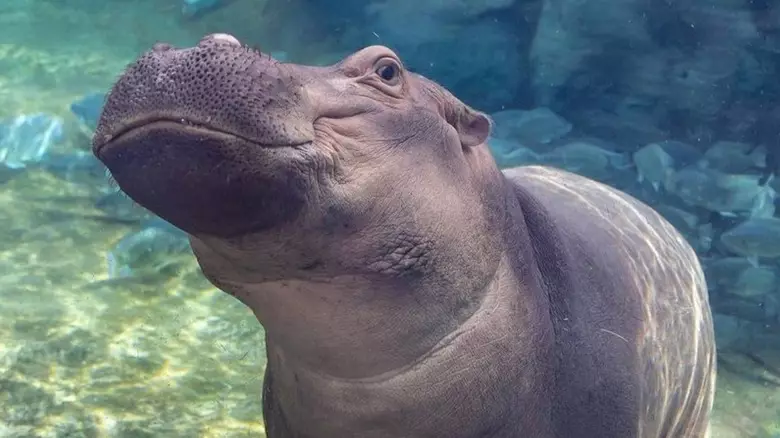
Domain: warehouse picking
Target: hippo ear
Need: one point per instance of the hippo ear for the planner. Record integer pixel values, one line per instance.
(473, 127)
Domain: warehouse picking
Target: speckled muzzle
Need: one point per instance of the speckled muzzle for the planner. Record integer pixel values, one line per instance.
(211, 138)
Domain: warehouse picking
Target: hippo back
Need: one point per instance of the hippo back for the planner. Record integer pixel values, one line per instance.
(634, 332)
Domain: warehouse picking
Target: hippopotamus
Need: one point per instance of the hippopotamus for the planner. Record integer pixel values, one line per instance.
(408, 287)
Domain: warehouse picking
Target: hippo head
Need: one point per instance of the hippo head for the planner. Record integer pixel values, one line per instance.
(282, 172)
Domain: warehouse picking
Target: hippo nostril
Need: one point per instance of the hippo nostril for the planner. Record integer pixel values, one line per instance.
(220, 37)
(162, 47)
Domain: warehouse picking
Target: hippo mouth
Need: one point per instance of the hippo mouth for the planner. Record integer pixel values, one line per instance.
(206, 180)
(192, 125)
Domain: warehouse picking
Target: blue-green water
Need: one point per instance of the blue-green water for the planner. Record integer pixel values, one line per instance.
(107, 327)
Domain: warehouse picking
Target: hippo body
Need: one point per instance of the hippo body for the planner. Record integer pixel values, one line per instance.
(407, 286)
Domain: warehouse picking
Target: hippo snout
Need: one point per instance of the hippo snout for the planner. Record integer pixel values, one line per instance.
(218, 84)
(206, 136)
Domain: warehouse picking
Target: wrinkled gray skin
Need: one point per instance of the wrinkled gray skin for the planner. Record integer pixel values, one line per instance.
(409, 288)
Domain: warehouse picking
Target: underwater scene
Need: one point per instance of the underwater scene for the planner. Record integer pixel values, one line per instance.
(108, 325)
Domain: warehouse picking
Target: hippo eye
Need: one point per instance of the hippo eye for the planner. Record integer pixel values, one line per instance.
(389, 71)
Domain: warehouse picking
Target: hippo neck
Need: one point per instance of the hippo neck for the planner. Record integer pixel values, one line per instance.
(303, 401)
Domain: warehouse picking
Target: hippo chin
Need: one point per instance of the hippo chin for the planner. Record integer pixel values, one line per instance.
(408, 287)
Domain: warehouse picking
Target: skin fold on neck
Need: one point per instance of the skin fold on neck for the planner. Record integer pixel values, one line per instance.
(387, 401)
